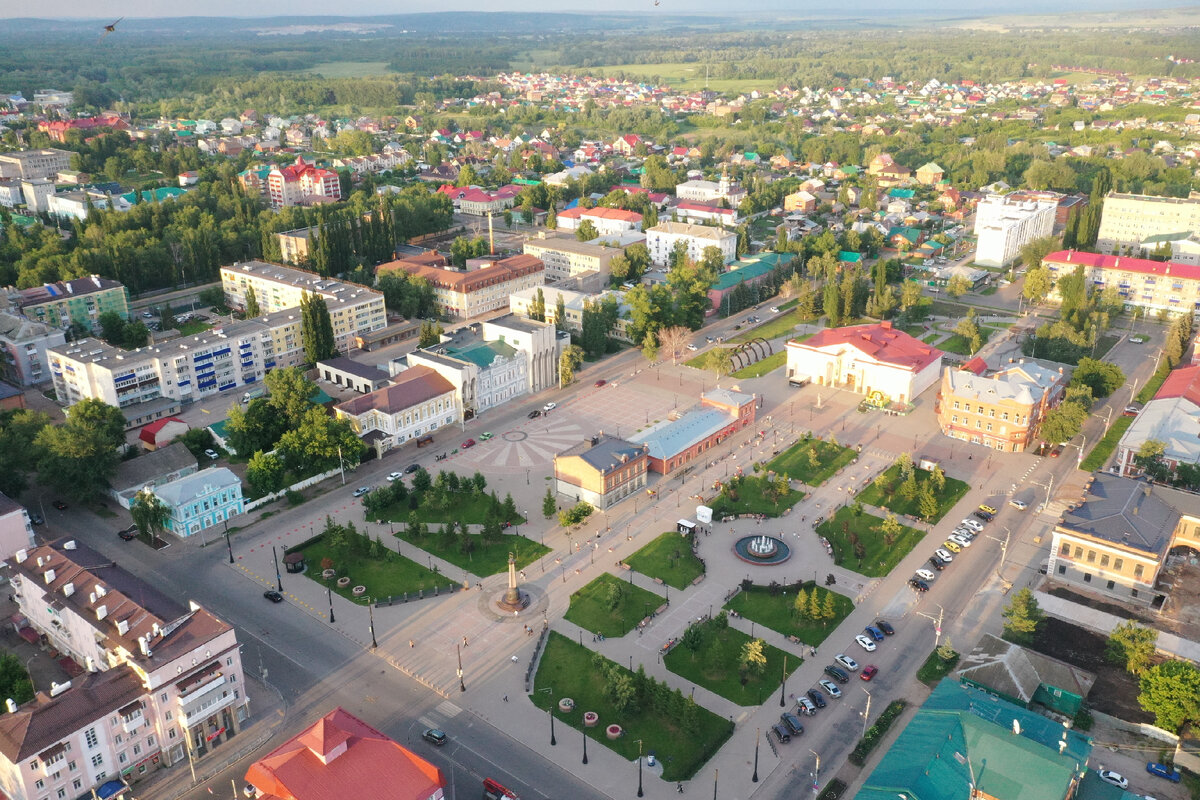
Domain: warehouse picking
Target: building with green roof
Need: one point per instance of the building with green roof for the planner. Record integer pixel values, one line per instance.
(751, 271)
(964, 741)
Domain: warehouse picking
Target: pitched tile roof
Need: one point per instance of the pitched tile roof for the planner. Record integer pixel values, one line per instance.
(411, 387)
(880, 341)
(1183, 382)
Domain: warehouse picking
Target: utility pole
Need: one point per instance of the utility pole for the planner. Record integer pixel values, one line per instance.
(867, 713)
(816, 771)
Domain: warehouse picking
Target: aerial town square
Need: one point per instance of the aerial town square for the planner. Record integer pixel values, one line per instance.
(570, 403)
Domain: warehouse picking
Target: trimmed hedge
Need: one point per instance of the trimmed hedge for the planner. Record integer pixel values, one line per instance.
(865, 745)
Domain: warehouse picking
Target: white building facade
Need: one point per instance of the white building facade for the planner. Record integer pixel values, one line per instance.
(661, 239)
(1004, 226)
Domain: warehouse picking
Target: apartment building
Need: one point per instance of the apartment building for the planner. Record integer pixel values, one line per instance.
(1003, 226)
(29, 164)
(565, 258)
(161, 682)
(23, 345)
(1129, 219)
(1114, 541)
(484, 286)
(302, 183)
(16, 528)
(10, 193)
(353, 309)
(418, 402)
(1142, 283)
(661, 239)
(521, 303)
(602, 470)
(294, 245)
(81, 300)
(1003, 411)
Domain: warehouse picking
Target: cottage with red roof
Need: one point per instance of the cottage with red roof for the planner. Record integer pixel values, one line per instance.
(340, 758)
(1152, 285)
(885, 364)
(627, 144)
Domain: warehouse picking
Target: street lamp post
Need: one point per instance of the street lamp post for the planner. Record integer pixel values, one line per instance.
(371, 617)
(227, 542)
(462, 687)
(329, 592)
(867, 713)
(816, 771)
(278, 578)
(584, 732)
(550, 711)
(754, 777)
(639, 792)
(782, 689)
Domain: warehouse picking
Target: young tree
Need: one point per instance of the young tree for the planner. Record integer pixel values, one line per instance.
(890, 528)
(549, 505)
(149, 513)
(316, 329)
(946, 651)
(673, 341)
(752, 658)
(537, 309)
(289, 394)
(800, 604)
(719, 360)
(1131, 646)
(14, 679)
(957, 286)
(570, 360)
(937, 478)
(927, 504)
(650, 347)
(715, 657)
(265, 473)
(560, 313)
(1171, 692)
(828, 607)
(252, 309)
(586, 231)
(1022, 616)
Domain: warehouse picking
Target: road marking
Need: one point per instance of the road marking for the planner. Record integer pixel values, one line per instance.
(449, 709)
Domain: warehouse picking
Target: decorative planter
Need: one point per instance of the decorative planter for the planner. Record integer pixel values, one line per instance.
(328, 574)
(343, 582)
(613, 732)
(590, 718)
(358, 590)
(566, 705)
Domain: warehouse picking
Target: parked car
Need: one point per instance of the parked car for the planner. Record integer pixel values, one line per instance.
(926, 575)
(937, 563)
(885, 626)
(973, 525)
(600, 383)
(953, 547)
(1130, 411)
(36, 518)
(988, 509)
(781, 733)
(837, 673)
(486, 435)
(549, 406)
(411, 468)
(60, 505)
(394, 476)
(434, 736)
(792, 722)
(147, 315)
(875, 633)
(692, 347)
(1163, 771)
(774, 309)
(865, 642)
(212, 454)
(983, 515)
(534, 414)
(468, 443)
(959, 540)
(1019, 505)
(1139, 339)
(1056, 452)
(944, 555)
(273, 596)
(830, 688)
(128, 533)
(846, 661)
(918, 584)
(360, 491)
(869, 672)
(1114, 778)
(805, 706)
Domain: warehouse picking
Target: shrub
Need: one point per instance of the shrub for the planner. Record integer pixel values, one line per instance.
(294, 498)
(867, 743)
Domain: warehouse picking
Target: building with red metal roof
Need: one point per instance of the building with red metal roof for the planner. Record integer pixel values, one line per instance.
(885, 364)
(1152, 285)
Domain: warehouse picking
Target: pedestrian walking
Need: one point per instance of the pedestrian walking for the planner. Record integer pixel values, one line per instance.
(679, 788)
(411, 644)
(506, 698)
(465, 642)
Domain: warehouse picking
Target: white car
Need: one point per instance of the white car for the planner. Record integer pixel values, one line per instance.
(959, 540)
(847, 662)
(360, 491)
(830, 688)
(974, 525)
(1019, 505)
(865, 643)
(926, 575)
(549, 406)
(211, 453)
(774, 309)
(1114, 778)
(943, 554)
(395, 476)
(691, 347)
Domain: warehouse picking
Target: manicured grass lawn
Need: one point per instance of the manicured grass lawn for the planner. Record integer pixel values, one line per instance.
(776, 611)
(951, 493)
(723, 677)
(384, 577)
(193, 327)
(962, 345)
(789, 304)
(879, 557)
(592, 609)
(468, 508)
(751, 500)
(760, 368)
(576, 672)
(1152, 386)
(931, 338)
(934, 668)
(797, 465)
(484, 559)
(915, 330)
(781, 325)
(696, 361)
(1104, 448)
(670, 559)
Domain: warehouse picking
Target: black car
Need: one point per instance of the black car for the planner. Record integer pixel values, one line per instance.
(36, 518)
(537, 412)
(411, 468)
(60, 505)
(937, 563)
(434, 736)
(918, 584)
(128, 533)
(885, 626)
(837, 673)
(792, 722)
(817, 698)
(781, 733)
(273, 596)
(983, 515)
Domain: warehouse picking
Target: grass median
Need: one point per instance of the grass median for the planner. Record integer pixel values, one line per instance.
(1105, 447)
(670, 559)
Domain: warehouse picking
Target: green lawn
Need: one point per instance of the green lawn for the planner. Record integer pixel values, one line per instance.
(962, 345)
(484, 559)
(592, 606)
(931, 338)
(714, 665)
(934, 668)
(670, 559)
(696, 361)
(781, 325)
(1152, 386)
(745, 496)
(1104, 448)
(915, 330)
(797, 464)
(193, 327)
(760, 368)
(468, 508)
(387, 576)
(568, 670)
(878, 557)
(890, 498)
(777, 611)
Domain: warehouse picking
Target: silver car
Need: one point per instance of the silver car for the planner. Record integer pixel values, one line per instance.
(926, 575)
(830, 688)
(846, 662)
(960, 540)
(943, 554)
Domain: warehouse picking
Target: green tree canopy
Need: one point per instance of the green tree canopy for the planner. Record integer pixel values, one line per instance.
(1171, 692)
(1022, 617)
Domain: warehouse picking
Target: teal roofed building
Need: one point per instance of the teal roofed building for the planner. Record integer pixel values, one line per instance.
(1025, 677)
(750, 271)
(154, 195)
(846, 257)
(964, 742)
(901, 194)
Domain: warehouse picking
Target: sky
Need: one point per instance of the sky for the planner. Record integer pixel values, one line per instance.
(76, 9)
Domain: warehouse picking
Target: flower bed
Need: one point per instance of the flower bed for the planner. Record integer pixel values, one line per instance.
(613, 731)
(590, 718)
(328, 574)
(358, 591)
(566, 705)
(343, 582)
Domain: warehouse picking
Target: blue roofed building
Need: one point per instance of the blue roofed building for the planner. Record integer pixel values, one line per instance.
(964, 743)
(674, 443)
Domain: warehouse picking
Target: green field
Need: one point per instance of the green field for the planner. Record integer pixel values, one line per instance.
(878, 556)
(483, 558)
(594, 607)
(797, 464)
(760, 368)
(747, 496)
(670, 559)
(193, 327)
(962, 345)
(350, 69)
(568, 670)
(714, 664)
(775, 609)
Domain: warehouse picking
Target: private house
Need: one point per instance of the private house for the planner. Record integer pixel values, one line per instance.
(627, 145)
(417, 403)
(674, 443)
(876, 360)
(340, 757)
(887, 172)
(602, 471)
(800, 201)
(1025, 677)
(23, 345)
(16, 528)
(161, 684)
(1150, 285)
(153, 469)
(930, 174)
(1002, 412)
(1115, 540)
(201, 500)
(1171, 417)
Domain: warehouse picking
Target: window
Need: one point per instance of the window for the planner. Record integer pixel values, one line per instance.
(118, 738)
(1087, 578)
(137, 749)
(71, 766)
(956, 404)
(97, 759)
(77, 784)
(1091, 556)
(39, 783)
(1104, 559)
(1062, 569)
(1065, 550)
(90, 736)
(163, 697)
(1138, 570)
(1111, 584)
(1118, 564)
(62, 793)
(1133, 593)
(150, 740)
(122, 758)
(1078, 552)
(168, 714)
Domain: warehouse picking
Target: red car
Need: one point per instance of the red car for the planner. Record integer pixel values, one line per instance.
(468, 443)
(868, 672)
(601, 382)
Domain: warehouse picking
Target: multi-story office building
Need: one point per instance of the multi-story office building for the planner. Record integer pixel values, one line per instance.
(1003, 411)
(661, 241)
(1151, 285)
(81, 301)
(1004, 226)
(37, 193)
(23, 345)
(1128, 219)
(483, 287)
(29, 164)
(566, 258)
(162, 680)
